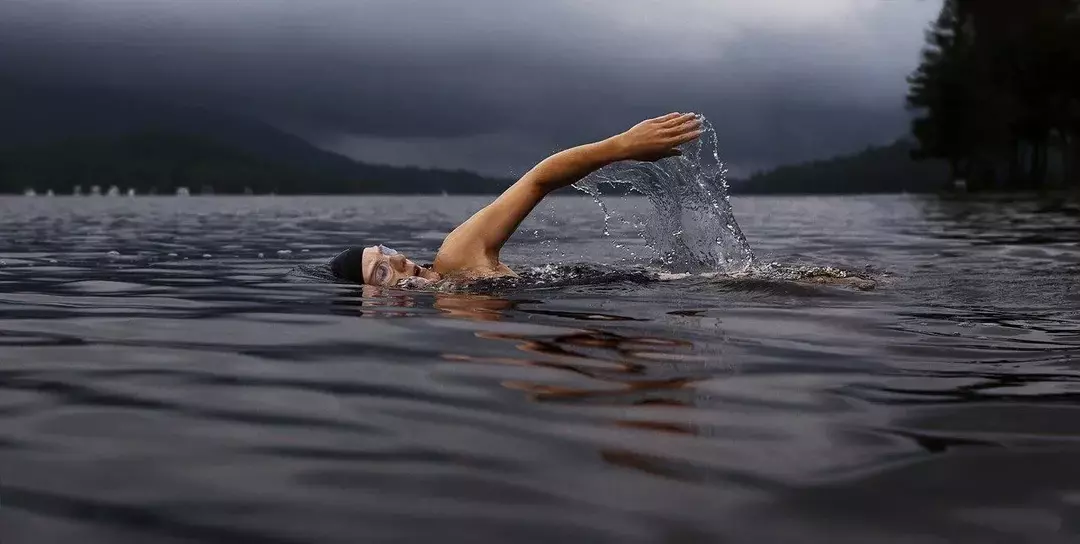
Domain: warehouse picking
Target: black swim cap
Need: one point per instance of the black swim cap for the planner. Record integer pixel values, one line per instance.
(349, 265)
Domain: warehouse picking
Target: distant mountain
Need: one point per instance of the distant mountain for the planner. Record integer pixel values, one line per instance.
(887, 169)
(55, 139)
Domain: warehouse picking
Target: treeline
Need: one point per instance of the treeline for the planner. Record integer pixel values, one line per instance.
(161, 162)
(887, 169)
(998, 93)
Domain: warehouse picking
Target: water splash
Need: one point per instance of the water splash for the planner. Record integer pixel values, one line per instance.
(694, 228)
(551, 276)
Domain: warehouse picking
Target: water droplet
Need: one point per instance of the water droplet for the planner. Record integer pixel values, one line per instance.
(206, 255)
(173, 255)
(284, 252)
(261, 255)
(113, 254)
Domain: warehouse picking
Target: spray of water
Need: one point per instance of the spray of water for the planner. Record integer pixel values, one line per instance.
(693, 228)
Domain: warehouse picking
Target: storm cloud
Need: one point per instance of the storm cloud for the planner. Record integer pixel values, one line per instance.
(493, 85)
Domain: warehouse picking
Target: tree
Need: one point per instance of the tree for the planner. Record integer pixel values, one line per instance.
(942, 88)
(996, 93)
(1069, 129)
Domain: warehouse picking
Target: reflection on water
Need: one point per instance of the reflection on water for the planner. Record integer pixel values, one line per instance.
(611, 363)
(616, 369)
(156, 394)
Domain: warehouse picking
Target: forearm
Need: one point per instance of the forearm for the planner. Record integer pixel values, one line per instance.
(570, 166)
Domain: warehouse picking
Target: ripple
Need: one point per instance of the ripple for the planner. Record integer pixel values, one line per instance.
(98, 286)
(160, 396)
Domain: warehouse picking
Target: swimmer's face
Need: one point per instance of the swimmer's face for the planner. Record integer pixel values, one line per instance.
(385, 267)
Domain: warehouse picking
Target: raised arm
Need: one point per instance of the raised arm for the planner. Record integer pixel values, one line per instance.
(476, 243)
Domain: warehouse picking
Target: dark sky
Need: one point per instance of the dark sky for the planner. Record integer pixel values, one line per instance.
(495, 85)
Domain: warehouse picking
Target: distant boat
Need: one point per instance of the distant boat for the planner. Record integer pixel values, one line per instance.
(113, 191)
(29, 192)
(182, 191)
(131, 192)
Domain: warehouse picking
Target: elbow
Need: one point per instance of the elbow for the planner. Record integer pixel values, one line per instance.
(537, 186)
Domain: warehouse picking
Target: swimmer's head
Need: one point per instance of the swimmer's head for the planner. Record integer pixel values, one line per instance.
(381, 266)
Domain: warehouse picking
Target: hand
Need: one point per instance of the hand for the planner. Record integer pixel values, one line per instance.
(658, 138)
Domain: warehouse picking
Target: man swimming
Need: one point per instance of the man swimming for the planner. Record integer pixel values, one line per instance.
(472, 249)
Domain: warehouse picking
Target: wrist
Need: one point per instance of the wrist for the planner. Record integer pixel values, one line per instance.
(615, 148)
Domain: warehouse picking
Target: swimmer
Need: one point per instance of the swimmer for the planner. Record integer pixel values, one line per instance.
(472, 250)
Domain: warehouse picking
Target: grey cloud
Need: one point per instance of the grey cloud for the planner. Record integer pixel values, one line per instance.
(388, 80)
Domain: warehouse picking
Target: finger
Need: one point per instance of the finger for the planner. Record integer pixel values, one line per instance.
(668, 117)
(682, 130)
(674, 153)
(688, 137)
(680, 119)
(690, 123)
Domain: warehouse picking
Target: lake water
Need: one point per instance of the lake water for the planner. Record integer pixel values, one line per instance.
(187, 388)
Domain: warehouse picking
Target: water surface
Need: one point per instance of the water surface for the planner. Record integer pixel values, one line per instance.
(165, 379)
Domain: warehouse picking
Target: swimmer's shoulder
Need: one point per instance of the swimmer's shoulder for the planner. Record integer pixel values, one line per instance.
(496, 270)
(457, 258)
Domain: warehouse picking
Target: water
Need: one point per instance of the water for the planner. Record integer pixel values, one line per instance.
(164, 379)
(690, 225)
